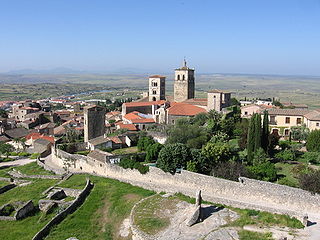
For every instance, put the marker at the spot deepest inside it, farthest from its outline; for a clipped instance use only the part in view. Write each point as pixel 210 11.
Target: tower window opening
pixel 182 77
pixel 178 77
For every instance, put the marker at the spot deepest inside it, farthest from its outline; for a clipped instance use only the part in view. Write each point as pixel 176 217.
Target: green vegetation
pixel 132 163
pixel 33 169
pixel 35 155
pixel 76 181
pixel 128 150
pixel 100 217
pixel 248 235
pixel 264 219
pixel 313 141
pixel 147 216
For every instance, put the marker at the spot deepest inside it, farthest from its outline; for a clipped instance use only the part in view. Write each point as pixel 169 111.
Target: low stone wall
pixel 48 168
pixel 7 188
pixel 25 210
pixel 17 174
pixel 247 193
pixel 62 215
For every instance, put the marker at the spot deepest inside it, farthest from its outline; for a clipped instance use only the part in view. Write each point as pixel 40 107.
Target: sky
pixel 223 36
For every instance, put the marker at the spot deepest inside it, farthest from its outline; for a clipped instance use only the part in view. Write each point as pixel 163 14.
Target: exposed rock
pixel 223 234
pixel 57 195
pixel 195 216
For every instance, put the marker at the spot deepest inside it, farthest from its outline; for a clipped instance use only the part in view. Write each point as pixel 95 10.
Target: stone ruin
pixel 19 210
pixel 197 215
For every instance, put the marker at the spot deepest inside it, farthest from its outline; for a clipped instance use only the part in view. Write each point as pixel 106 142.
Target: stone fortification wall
pixel 17 174
pixel 48 168
pixel 60 216
pixel 247 193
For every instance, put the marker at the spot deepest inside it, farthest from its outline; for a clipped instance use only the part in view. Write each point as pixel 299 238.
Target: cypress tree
pixel 251 139
pixel 265 132
pixel 257 132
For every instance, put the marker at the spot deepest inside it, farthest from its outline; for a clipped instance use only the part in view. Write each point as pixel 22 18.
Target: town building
pixel 157 88
pixel 94 122
pixel 184 83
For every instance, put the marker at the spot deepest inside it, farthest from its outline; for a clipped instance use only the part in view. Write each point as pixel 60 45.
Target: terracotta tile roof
pixel 288 112
pixel 157 76
pixel 17 132
pixel 35 136
pixel 130 127
pixel 138 104
pixel 134 117
pixel 184 109
pixel 114 113
pixel 115 139
pixel 197 101
pixel 313 116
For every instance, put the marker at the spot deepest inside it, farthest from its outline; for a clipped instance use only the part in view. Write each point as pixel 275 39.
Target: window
pixel 317 124
pixel 245 113
pixel 178 77
pixel 273 120
pixel 286 132
pixel 154 84
pixel 287 120
pixel 298 120
pixel 154 92
pixel 182 77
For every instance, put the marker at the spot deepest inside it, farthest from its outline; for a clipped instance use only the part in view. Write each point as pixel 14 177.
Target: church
pixel 156 107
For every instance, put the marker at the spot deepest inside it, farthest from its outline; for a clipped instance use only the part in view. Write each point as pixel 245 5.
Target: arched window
pixel 154 99
pixel 183 77
pixel 178 77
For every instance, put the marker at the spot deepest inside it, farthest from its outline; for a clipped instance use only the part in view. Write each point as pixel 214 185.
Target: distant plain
pixel 296 89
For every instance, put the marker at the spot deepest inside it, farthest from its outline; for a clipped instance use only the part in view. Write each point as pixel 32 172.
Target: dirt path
pixel 19 162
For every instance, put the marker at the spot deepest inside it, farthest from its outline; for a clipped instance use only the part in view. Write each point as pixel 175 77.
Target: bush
pixel 106 149
pixel 286 155
pixel 132 163
pixel 12 153
pixel 144 142
pixel 7 210
pixel 264 171
pixel 313 141
pixel 312 157
pixel 24 154
pixel 286 181
pixel 35 155
pixel 230 170
pixel 310 181
pixel 152 152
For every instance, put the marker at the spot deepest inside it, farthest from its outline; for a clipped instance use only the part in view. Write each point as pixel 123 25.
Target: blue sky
pixel 225 36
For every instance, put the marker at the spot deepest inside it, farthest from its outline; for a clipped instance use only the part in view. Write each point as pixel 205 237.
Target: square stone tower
pixel 217 100
pixel 157 88
pixel 183 83
pixel 94 122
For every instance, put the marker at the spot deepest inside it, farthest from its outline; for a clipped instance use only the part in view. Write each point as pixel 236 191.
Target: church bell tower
pixel 183 83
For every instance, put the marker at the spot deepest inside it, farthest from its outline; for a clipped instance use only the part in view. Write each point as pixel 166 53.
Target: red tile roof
pixel 134 117
pixel 35 136
pixel 157 76
pixel 184 109
pixel 130 127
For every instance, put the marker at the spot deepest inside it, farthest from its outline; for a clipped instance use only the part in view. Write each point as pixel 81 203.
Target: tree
pixel 260 157
pixel 310 181
pixel 257 132
pixel 216 152
pixel 241 129
pixel 3 113
pixel 229 170
pixel 251 139
pixel 264 171
pixel 299 133
pixel 313 141
pixel 5 148
pixel 173 156
pixel 152 152
pixel 265 132
pixel 144 143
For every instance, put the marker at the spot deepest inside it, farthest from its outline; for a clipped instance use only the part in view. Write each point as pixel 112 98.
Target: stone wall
pixel 17 174
pixel 48 168
pixel 247 193
pixel 7 188
pixel 62 215
pixel 25 210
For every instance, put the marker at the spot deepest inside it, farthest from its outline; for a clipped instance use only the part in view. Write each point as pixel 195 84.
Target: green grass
pixel 3 183
pixel 125 150
pixel 146 218
pixel 101 215
pixel 32 191
pixel 77 181
pixel 33 169
pixel 248 235
pixel 260 218
pixel 286 170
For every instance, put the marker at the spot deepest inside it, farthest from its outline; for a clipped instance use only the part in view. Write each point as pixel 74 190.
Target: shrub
pixel 24 154
pixel 264 171
pixel 286 181
pixel 12 153
pixel 286 155
pixel 310 181
pixel 312 157
pixel 144 142
pixel 230 170
pixel 132 163
pixel 106 149
pixel 35 155
pixel 313 141
pixel 7 210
